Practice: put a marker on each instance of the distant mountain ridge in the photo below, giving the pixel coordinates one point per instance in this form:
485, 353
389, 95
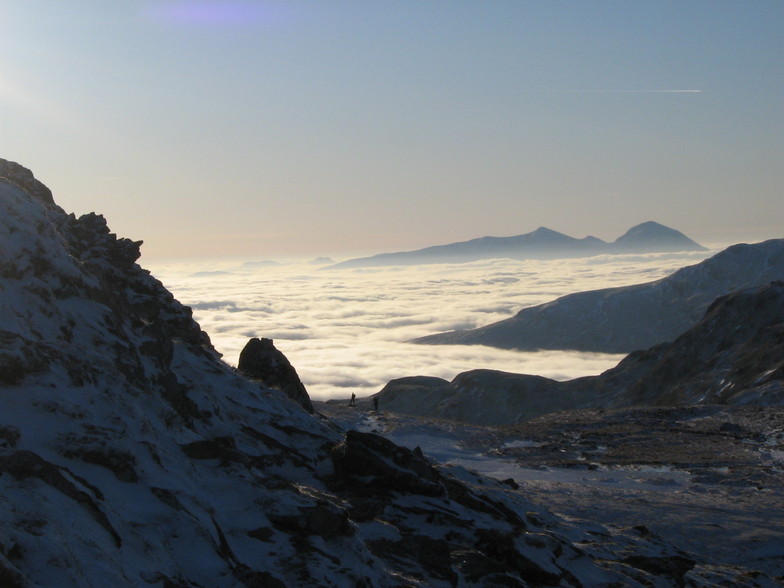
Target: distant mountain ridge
543, 243
623, 319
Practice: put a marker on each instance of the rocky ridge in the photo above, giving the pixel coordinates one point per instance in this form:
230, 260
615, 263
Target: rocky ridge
131, 455
734, 355
706, 479
625, 319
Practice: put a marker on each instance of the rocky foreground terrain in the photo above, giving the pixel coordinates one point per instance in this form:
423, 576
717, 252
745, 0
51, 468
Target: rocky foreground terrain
708, 480
131, 455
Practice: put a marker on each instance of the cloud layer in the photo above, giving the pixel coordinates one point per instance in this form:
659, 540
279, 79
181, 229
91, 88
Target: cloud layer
346, 330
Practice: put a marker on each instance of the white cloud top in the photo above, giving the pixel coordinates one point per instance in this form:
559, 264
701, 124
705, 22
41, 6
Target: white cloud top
346, 330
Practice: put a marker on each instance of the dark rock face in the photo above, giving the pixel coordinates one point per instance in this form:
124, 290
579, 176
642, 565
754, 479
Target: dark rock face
674, 567
323, 519
735, 355
260, 359
23, 178
372, 462
704, 480
470, 536
93, 235
429, 554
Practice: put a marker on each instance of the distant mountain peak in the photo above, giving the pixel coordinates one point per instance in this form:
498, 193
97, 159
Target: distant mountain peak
542, 243
653, 236
546, 233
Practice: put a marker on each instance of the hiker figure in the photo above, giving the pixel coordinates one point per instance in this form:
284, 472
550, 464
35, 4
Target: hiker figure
375, 403
353, 397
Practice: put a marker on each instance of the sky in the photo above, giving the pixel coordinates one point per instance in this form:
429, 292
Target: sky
345, 128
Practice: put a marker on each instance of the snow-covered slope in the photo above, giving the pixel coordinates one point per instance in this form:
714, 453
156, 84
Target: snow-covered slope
621, 320
543, 243
130, 455
734, 355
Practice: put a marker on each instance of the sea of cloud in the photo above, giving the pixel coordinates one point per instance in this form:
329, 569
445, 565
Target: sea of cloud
346, 330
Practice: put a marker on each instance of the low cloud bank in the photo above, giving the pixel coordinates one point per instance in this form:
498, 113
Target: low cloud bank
346, 331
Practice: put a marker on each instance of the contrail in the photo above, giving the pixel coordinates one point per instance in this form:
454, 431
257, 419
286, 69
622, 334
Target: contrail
615, 91
643, 91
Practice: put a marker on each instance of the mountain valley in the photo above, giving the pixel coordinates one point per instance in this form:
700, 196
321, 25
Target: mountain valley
132, 455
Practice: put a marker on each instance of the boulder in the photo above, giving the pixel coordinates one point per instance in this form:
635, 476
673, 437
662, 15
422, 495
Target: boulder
372, 463
260, 360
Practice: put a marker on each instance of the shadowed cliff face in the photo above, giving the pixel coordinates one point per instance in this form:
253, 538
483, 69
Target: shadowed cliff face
131, 455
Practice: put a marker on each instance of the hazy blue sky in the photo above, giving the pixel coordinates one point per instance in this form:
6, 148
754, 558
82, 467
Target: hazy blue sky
268, 128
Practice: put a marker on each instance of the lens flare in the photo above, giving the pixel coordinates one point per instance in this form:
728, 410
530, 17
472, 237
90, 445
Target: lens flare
215, 13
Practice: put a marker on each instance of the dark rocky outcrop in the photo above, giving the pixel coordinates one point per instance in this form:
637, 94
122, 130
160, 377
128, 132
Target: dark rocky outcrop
734, 355
23, 178
260, 359
370, 462
672, 567
492, 546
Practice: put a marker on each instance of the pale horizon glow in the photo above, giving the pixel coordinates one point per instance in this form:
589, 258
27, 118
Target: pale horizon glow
282, 129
